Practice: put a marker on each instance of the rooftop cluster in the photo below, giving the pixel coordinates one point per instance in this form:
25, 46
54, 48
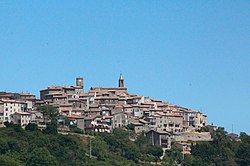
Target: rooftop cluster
102, 109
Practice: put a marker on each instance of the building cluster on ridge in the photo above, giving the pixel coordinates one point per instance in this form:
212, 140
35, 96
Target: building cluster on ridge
102, 109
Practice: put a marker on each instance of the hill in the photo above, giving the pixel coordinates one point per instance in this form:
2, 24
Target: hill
33, 147
28, 147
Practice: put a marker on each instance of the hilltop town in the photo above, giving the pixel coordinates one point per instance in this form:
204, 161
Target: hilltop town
102, 109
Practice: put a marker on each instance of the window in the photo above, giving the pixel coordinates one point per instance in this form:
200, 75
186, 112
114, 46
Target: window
171, 125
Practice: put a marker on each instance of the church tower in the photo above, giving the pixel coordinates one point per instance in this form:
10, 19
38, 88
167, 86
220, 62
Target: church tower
121, 81
80, 83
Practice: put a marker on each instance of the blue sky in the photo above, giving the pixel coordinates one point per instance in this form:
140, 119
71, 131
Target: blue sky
195, 54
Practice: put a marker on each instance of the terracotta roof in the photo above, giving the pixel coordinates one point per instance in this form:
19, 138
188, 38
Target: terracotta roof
127, 106
77, 109
136, 123
144, 106
164, 114
23, 113
108, 117
74, 99
143, 121
189, 111
59, 96
65, 109
86, 95
106, 97
118, 106
161, 132
26, 94
149, 103
11, 101
156, 109
52, 88
73, 117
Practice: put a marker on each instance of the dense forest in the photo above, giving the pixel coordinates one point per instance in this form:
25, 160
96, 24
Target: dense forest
30, 147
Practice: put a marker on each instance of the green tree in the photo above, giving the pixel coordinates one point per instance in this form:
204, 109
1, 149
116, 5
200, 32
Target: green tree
99, 148
16, 127
244, 137
131, 151
51, 128
243, 154
168, 161
14, 145
4, 147
9, 161
31, 127
49, 112
174, 154
41, 157
193, 161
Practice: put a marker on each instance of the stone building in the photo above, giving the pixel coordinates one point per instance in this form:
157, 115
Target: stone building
119, 120
161, 138
53, 93
22, 118
166, 122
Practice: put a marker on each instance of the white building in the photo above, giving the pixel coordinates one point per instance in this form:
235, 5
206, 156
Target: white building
22, 118
166, 122
9, 107
119, 120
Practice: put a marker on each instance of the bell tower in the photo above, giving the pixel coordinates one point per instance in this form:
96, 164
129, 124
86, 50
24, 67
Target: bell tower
79, 82
121, 81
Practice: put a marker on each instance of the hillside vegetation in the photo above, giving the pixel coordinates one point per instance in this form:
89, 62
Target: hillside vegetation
222, 151
32, 147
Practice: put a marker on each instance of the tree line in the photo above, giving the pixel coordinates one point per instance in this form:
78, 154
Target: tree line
33, 147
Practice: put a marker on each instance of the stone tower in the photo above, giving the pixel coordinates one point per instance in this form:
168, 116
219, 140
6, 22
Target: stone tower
121, 81
79, 81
